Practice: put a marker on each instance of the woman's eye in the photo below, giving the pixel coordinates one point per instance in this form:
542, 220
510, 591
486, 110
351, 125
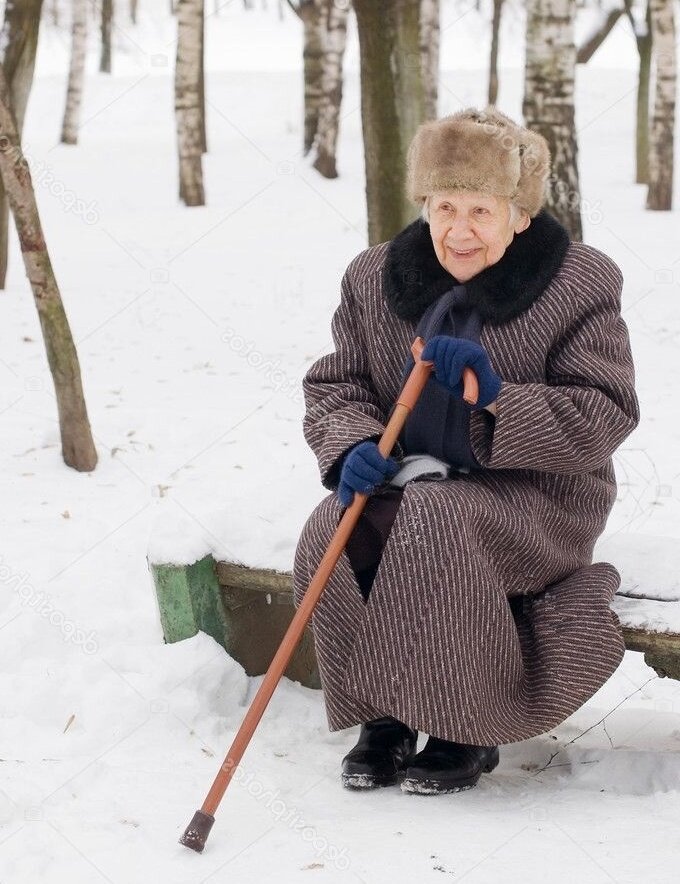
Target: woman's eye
481, 210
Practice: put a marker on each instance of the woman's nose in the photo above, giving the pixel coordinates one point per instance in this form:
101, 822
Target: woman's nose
459, 228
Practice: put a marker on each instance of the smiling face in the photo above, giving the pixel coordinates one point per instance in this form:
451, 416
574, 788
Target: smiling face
471, 231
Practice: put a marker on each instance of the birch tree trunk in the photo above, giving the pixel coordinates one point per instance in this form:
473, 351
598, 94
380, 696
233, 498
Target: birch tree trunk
392, 107
660, 193
644, 43
77, 445
429, 49
548, 104
18, 44
312, 14
106, 22
188, 114
201, 84
76, 73
493, 55
334, 35
642, 31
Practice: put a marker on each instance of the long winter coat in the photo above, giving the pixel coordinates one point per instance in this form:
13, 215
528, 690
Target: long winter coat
439, 644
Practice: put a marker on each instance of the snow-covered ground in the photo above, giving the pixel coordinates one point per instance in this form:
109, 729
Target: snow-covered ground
194, 328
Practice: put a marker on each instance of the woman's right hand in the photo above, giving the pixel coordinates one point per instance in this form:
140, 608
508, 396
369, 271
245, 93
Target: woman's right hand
363, 469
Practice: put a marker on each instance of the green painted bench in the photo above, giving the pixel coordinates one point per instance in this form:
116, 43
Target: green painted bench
247, 610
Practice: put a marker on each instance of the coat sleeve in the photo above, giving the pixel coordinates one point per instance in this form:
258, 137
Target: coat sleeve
575, 421
342, 407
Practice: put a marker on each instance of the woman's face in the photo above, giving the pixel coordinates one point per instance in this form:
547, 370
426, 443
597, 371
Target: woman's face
471, 231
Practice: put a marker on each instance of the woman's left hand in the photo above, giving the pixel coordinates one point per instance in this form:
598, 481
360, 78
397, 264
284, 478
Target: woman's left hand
451, 355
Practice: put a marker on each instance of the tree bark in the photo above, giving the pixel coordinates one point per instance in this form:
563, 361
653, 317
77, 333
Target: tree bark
334, 31
660, 192
201, 85
76, 74
642, 31
190, 141
106, 23
493, 55
644, 44
392, 107
429, 50
77, 444
548, 104
312, 14
18, 44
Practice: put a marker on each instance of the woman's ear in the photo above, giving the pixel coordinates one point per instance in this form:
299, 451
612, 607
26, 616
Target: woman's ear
522, 222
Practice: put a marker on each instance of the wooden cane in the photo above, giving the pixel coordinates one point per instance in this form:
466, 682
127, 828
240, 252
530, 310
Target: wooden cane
196, 833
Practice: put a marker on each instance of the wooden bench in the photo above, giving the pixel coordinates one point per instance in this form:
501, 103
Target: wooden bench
247, 610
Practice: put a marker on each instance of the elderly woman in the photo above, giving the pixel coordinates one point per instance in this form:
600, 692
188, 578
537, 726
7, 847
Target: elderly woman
466, 604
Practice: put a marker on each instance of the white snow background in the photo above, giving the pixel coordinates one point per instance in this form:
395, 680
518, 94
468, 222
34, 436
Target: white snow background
200, 446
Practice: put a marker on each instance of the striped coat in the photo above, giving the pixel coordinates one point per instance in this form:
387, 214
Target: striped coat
487, 621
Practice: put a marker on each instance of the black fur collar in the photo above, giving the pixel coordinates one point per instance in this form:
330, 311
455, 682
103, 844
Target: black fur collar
414, 278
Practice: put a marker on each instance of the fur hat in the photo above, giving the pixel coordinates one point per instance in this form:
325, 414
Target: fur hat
479, 150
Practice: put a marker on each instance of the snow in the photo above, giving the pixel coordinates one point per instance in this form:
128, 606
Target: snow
194, 328
649, 595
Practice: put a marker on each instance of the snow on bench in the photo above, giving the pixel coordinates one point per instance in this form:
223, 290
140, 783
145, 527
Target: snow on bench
229, 575
648, 600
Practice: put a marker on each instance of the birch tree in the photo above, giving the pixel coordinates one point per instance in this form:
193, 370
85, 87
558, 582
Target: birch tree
188, 101
106, 27
660, 192
429, 53
640, 22
324, 25
77, 445
76, 73
493, 55
334, 39
548, 104
18, 43
392, 107
201, 84
642, 31
311, 14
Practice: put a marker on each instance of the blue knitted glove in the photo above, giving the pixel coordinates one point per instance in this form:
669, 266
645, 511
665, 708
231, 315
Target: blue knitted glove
363, 469
451, 355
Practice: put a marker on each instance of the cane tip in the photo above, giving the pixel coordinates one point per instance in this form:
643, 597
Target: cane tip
196, 833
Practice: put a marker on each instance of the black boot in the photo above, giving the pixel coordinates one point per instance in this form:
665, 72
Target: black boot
384, 749
443, 766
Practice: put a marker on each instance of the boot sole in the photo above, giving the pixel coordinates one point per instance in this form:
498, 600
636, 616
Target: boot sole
425, 786
368, 781
432, 787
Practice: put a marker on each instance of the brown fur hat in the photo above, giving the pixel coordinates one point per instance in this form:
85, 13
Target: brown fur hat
479, 150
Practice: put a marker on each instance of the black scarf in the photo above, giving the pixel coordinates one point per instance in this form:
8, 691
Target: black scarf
414, 278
